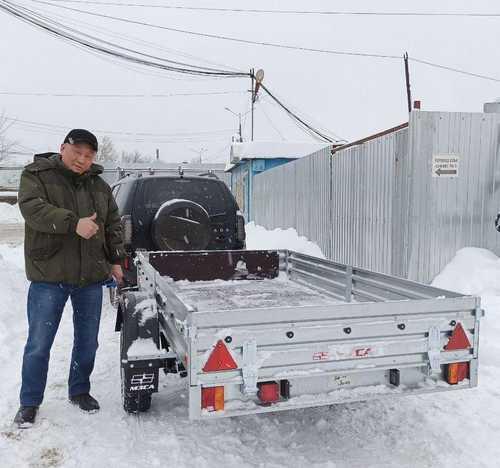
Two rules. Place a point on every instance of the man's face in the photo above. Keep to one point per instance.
(78, 157)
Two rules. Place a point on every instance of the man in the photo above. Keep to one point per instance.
(73, 244)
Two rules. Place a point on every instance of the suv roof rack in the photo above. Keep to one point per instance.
(209, 173)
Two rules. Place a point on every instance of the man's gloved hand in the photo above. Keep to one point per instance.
(117, 274)
(497, 222)
(86, 227)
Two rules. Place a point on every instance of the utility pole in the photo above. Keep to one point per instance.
(253, 97)
(157, 154)
(407, 75)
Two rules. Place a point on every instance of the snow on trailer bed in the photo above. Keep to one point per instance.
(246, 294)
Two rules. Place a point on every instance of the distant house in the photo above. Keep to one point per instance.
(248, 159)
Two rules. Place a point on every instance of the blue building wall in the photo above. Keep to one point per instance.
(242, 180)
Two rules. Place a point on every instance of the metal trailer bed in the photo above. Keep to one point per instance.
(260, 331)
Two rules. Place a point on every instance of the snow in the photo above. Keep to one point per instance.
(143, 347)
(243, 294)
(10, 213)
(446, 429)
(259, 237)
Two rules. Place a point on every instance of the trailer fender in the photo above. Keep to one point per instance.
(139, 320)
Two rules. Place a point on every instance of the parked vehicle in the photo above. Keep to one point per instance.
(167, 212)
(261, 331)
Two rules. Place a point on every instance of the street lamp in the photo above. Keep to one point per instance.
(239, 120)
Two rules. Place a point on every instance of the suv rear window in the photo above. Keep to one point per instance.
(207, 193)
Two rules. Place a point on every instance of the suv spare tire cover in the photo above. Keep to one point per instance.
(181, 225)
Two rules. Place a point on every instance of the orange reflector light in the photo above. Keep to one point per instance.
(457, 371)
(220, 359)
(212, 398)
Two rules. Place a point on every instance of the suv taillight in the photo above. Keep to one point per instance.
(240, 228)
(127, 230)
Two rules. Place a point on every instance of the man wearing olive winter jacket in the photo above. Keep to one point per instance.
(73, 244)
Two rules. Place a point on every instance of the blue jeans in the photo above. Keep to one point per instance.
(46, 302)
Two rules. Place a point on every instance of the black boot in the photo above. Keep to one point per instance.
(25, 416)
(85, 402)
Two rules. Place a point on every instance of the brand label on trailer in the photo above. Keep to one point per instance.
(321, 356)
(342, 380)
(362, 352)
(445, 165)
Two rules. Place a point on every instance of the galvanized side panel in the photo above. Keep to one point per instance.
(364, 206)
(296, 195)
(448, 213)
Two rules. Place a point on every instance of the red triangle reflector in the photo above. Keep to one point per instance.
(458, 339)
(220, 359)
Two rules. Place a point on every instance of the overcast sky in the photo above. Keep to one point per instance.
(350, 96)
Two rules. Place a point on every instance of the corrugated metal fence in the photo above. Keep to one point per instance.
(378, 204)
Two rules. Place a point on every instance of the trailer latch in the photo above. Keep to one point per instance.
(249, 368)
(434, 350)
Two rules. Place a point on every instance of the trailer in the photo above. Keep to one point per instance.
(262, 331)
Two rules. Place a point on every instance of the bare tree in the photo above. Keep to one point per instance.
(6, 144)
(107, 152)
(134, 157)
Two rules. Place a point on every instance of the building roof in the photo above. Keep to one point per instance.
(272, 150)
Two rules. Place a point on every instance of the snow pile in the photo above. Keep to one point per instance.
(259, 237)
(473, 271)
(10, 214)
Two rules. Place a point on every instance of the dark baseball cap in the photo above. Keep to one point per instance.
(79, 135)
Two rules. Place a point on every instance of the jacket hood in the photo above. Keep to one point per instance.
(44, 161)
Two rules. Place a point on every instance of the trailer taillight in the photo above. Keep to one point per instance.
(269, 392)
(212, 398)
(220, 359)
(457, 371)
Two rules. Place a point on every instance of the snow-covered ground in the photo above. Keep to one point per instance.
(446, 430)
(10, 214)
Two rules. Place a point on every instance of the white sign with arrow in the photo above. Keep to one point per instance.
(445, 165)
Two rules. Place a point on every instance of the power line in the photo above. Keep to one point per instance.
(222, 37)
(114, 132)
(287, 12)
(456, 70)
(271, 122)
(58, 30)
(133, 39)
(314, 132)
(274, 44)
(66, 95)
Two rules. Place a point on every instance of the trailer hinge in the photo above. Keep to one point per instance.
(478, 312)
(249, 368)
(190, 332)
(434, 350)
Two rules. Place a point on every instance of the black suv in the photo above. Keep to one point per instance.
(165, 212)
